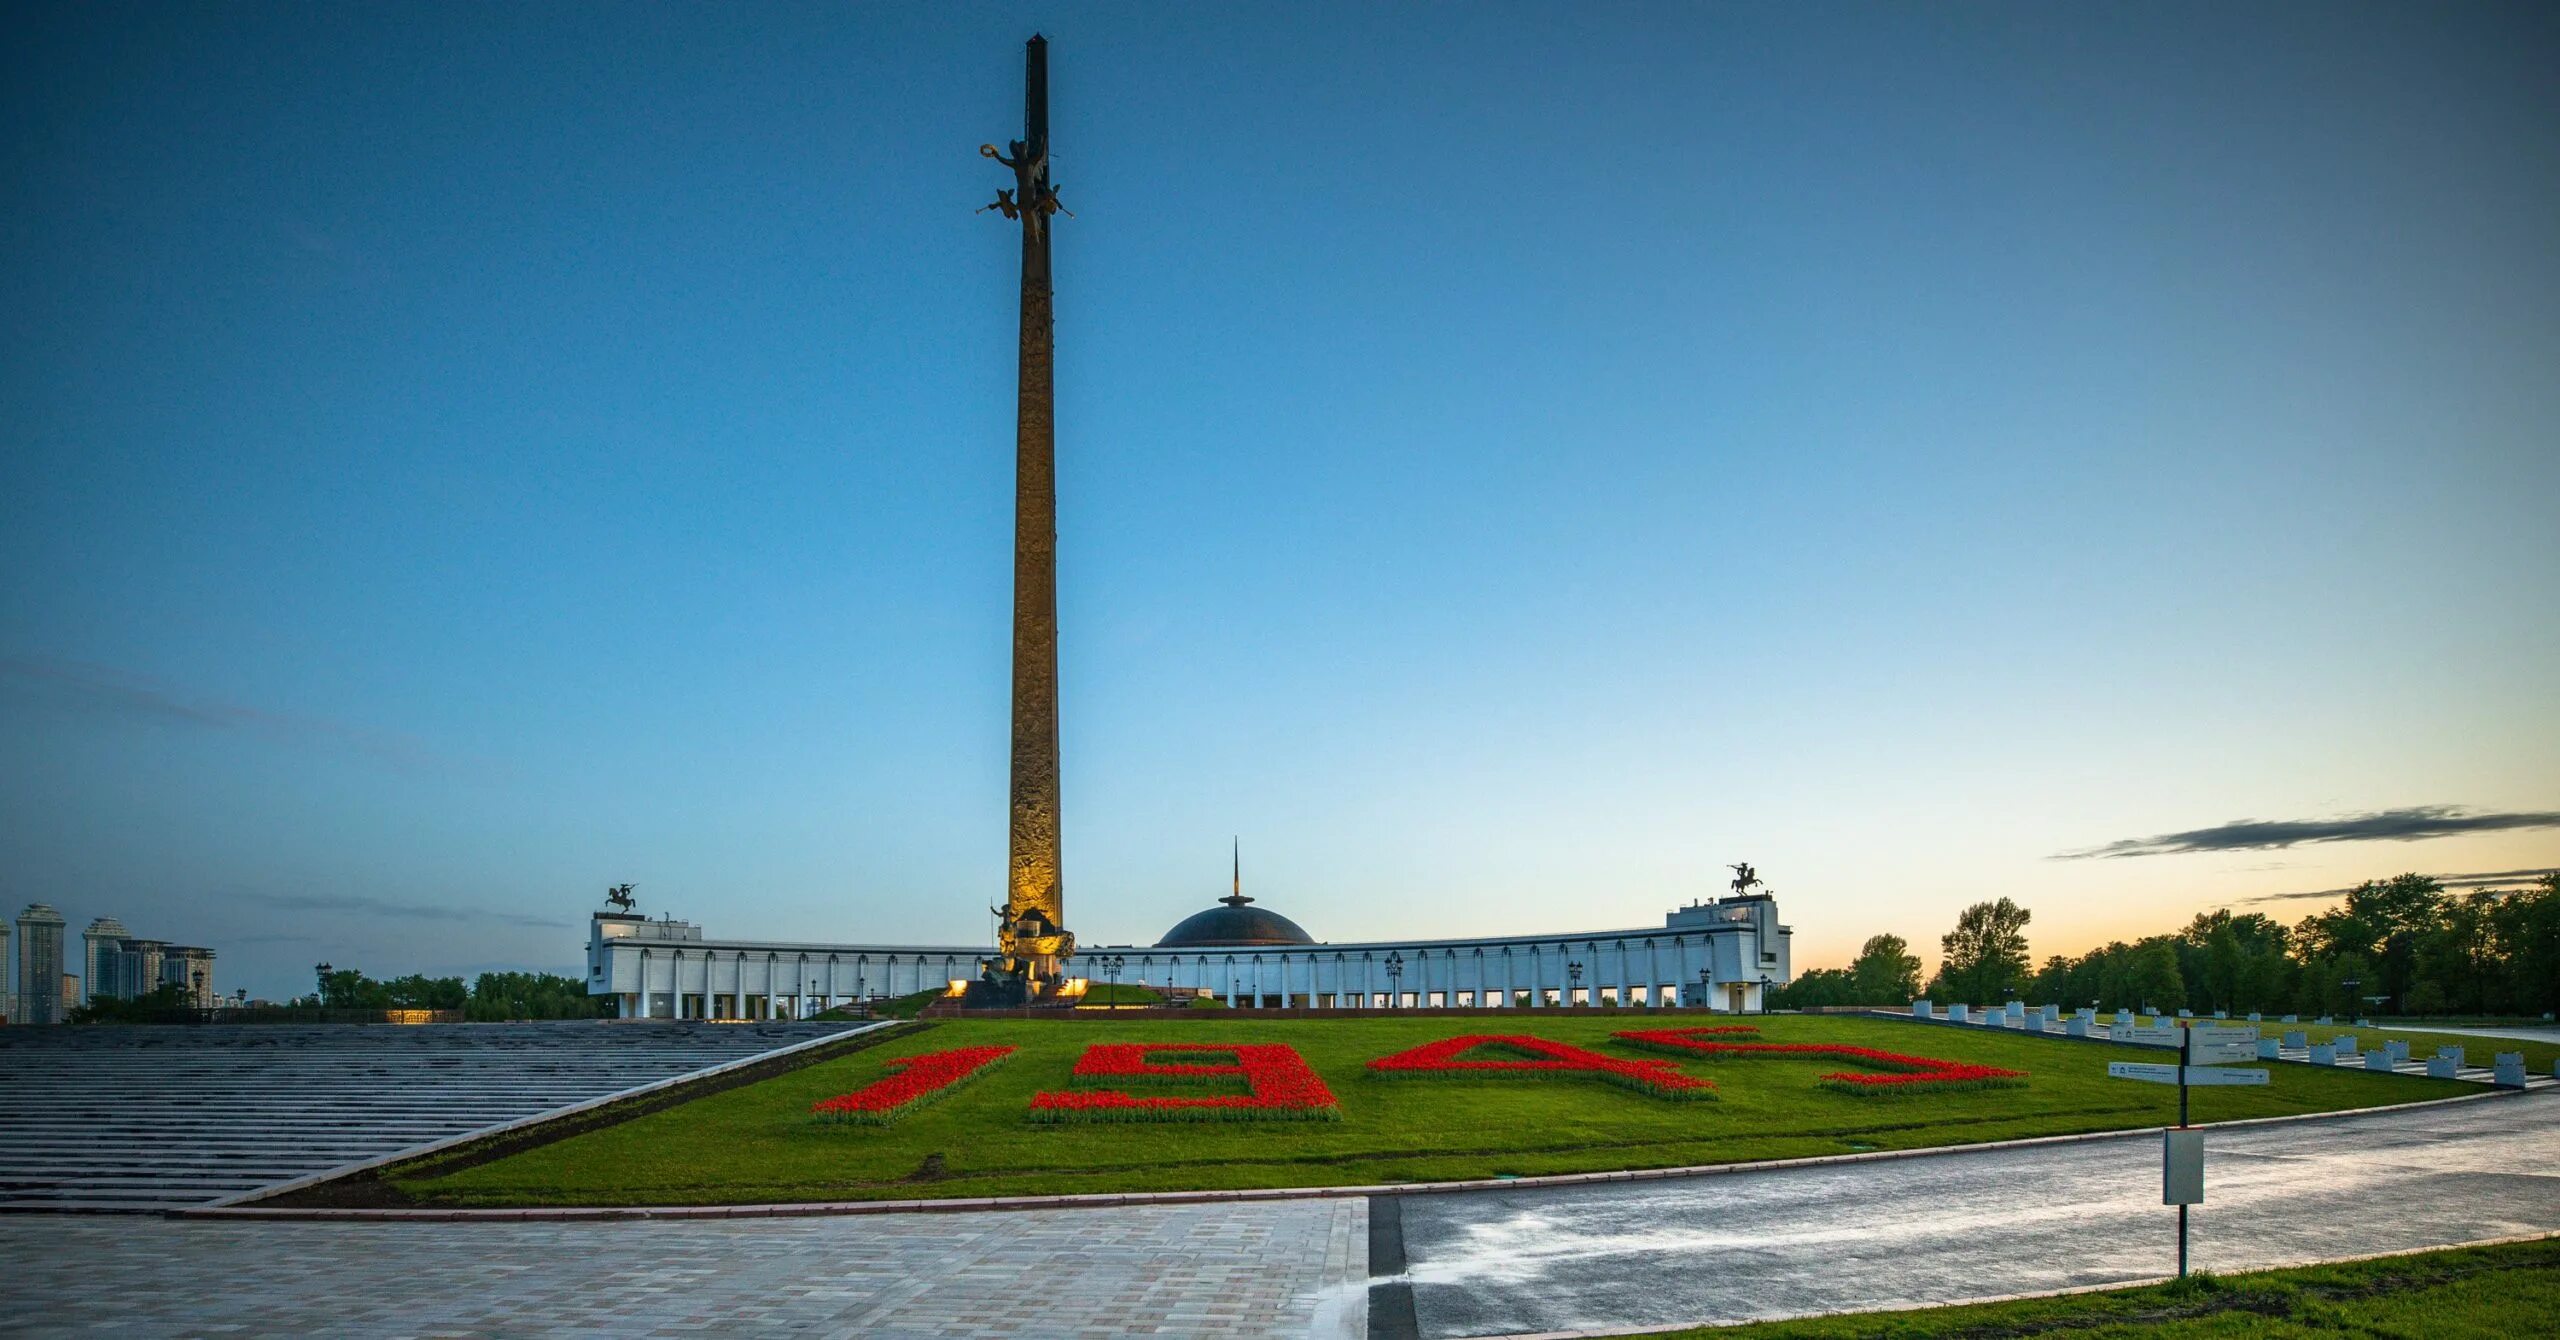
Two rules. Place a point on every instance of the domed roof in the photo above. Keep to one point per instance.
(1234, 926)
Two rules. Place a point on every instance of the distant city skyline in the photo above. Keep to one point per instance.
(1512, 463)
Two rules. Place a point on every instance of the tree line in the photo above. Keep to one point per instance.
(489, 998)
(2401, 946)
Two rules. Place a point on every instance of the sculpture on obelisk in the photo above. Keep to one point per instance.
(1033, 934)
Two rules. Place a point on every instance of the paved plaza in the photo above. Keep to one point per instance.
(1285, 1268)
(1948, 1227)
(1897, 1232)
(156, 1117)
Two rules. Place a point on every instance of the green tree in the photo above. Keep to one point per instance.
(1815, 988)
(158, 1005)
(1886, 972)
(2524, 930)
(1985, 955)
(2151, 975)
(531, 995)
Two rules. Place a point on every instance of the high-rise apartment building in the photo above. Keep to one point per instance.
(99, 946)
(40, 965)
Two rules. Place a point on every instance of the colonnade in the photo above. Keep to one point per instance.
(674, 982)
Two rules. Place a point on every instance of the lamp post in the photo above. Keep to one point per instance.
(1573, 973)
(1765, 983)
(2351, 984)
(1395, 979)
(1112, 964)
(1706, 978)
(323, 970)
(814, 1009)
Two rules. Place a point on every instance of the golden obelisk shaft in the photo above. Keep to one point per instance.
(1034, 937)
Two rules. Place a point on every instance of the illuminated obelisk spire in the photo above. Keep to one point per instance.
(1034, 938)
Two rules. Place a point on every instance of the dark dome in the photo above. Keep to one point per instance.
(1234, 926)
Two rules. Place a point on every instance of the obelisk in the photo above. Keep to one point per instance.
(1034, 936)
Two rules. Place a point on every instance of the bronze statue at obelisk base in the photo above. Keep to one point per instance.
(1032, 937)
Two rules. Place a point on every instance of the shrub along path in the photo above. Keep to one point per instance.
(758, 1143)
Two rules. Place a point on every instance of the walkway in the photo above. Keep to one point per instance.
(1913, 1232)
(148, 1118)
(1901, 1232)
(1218, 1272)
(2475, 1069)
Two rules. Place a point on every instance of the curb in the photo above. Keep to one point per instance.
(1107, 1199)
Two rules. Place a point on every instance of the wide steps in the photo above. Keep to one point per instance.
(152, 1118)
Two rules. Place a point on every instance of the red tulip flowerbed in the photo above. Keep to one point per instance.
(1279, 1085)
(912, 1082)
(1440, 1060)
(1901, 1074)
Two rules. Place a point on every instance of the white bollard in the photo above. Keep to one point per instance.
(2507, 1072)
(2323, 1054)
(2268, 1051)
(1957, 1014)
(2076, 1027)
(1920, 1010)
(2295, 1037)
(2442, 1067)
(2377, 1060)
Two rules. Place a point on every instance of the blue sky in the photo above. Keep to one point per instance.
(1513, 460)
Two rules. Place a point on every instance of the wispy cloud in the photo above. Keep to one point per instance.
(380, 907)
(2478, 879)
(2413, 824)
(105, 690)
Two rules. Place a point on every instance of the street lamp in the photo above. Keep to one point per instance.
(2351, 984)
(1765, 983)
(1573, 970)
(323, 970)
(1112, 964)
(814, 1009)
(1705, 980)
(1395, 979)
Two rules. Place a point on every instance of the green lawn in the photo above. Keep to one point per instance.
(756, 1143)
(2538, 1056)
(2485, 1292)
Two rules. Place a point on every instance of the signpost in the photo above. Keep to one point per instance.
(2201, 1048)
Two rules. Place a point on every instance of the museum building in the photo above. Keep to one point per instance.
(1722, 955)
